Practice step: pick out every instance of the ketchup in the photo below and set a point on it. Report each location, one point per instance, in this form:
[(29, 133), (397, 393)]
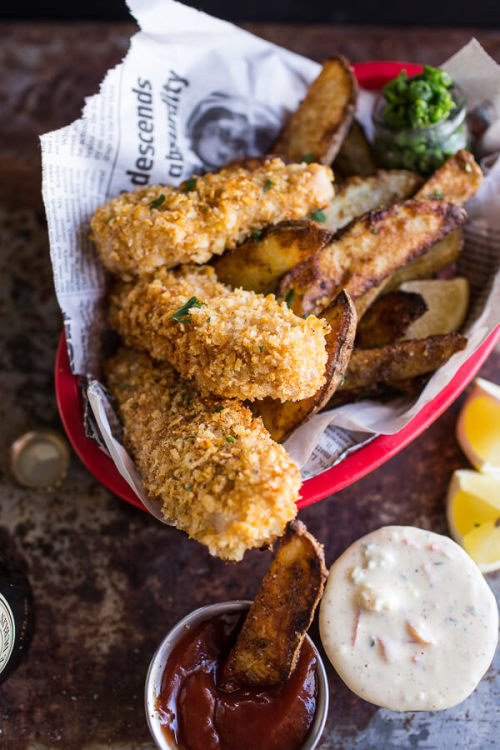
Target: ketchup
[(199, 715)]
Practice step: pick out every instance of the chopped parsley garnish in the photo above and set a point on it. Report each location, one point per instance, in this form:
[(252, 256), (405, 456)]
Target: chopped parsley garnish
[(261, 348), (439, 563), (267, 185), (189, 487), (256, 234), (181, 315), (318, 216), (308, 158), (374, 231), (230, 439), (190, 437), (135, 405), (218, 409), (289, 297), (157, 203), (189, 184), (436, 195), (208, 320)]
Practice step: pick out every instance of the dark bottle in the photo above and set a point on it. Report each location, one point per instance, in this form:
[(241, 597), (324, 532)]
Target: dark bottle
[(16, 616)]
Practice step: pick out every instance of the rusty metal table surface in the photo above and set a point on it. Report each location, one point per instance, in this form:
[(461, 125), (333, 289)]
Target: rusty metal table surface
[(108, 579)]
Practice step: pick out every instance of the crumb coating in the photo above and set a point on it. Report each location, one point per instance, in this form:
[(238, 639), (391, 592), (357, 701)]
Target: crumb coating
[(219, 475), (237, 344), (160, 225)]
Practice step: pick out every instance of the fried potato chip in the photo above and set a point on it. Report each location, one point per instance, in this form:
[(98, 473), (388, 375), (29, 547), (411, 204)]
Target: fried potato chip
[(388, 318), (368, 251), (317, 128), (400, 361), (358, 195), (441, 254), (456, 181), (269, 642), (259, 263), (281, 418)]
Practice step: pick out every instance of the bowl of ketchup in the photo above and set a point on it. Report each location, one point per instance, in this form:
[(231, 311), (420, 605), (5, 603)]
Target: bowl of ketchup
[(188, 708)]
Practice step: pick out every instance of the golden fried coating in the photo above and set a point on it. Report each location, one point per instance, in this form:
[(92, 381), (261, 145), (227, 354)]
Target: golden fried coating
[(216, 470), (164, 226), (231, 343)]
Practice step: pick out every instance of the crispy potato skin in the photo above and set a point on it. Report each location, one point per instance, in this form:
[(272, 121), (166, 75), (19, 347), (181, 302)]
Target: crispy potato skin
[(358, 195), (229, 496), (441, 254), (456, 181), (258, 264), (280, 419), (161, 225), (388, 318), (400, 361), (368, 251), (269, 642), (237, 343), (323, 118)]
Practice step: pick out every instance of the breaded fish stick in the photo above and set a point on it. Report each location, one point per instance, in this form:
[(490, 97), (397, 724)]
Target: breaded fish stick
[(164, 226), (216, 470), (231, 343)]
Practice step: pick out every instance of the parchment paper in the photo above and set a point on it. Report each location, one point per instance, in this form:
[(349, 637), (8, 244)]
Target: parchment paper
[(148, 124)]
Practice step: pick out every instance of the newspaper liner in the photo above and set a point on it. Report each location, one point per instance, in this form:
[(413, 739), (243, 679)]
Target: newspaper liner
[(148, 124)]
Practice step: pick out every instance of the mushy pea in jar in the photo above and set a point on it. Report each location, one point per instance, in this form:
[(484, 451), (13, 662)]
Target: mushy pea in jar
[(419, 121)]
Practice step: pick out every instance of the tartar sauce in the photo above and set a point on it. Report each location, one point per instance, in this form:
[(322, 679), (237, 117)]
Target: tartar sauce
[(408, 621)]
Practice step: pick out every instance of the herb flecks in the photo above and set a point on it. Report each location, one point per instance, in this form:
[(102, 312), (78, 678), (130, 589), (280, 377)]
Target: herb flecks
[(181, 315), (189, 185), (218, 409), (230, 439), (158, 201), (256, 234), (261, 348), (289, 297), (308, 158), (267, 185), (135, 405), (319, 216), (436, 195)]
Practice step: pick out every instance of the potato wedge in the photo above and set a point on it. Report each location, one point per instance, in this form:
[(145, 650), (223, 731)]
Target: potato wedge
[(388, 318), (269, 642), (368, 251), (400, 361), (355, 155), (439, 255), (456, 181), (361, 194), (318, 127), (281, 418), (258, 264)]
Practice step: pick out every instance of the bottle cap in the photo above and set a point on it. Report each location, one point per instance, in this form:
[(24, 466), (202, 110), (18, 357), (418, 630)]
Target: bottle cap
[(39, 459)]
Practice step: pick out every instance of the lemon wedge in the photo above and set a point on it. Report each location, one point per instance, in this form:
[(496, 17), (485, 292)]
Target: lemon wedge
[(473, 512), (447, 302), (478, 426)]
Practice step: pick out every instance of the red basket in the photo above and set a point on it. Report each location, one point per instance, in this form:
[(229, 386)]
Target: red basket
[(371, 75)]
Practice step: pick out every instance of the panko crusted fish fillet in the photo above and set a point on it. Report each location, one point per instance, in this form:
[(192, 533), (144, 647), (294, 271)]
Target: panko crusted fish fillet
[(231, 343), (219, 475), (161, 225)]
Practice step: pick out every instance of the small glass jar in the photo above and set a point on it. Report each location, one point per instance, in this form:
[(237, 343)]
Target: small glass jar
[(421, 150)]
